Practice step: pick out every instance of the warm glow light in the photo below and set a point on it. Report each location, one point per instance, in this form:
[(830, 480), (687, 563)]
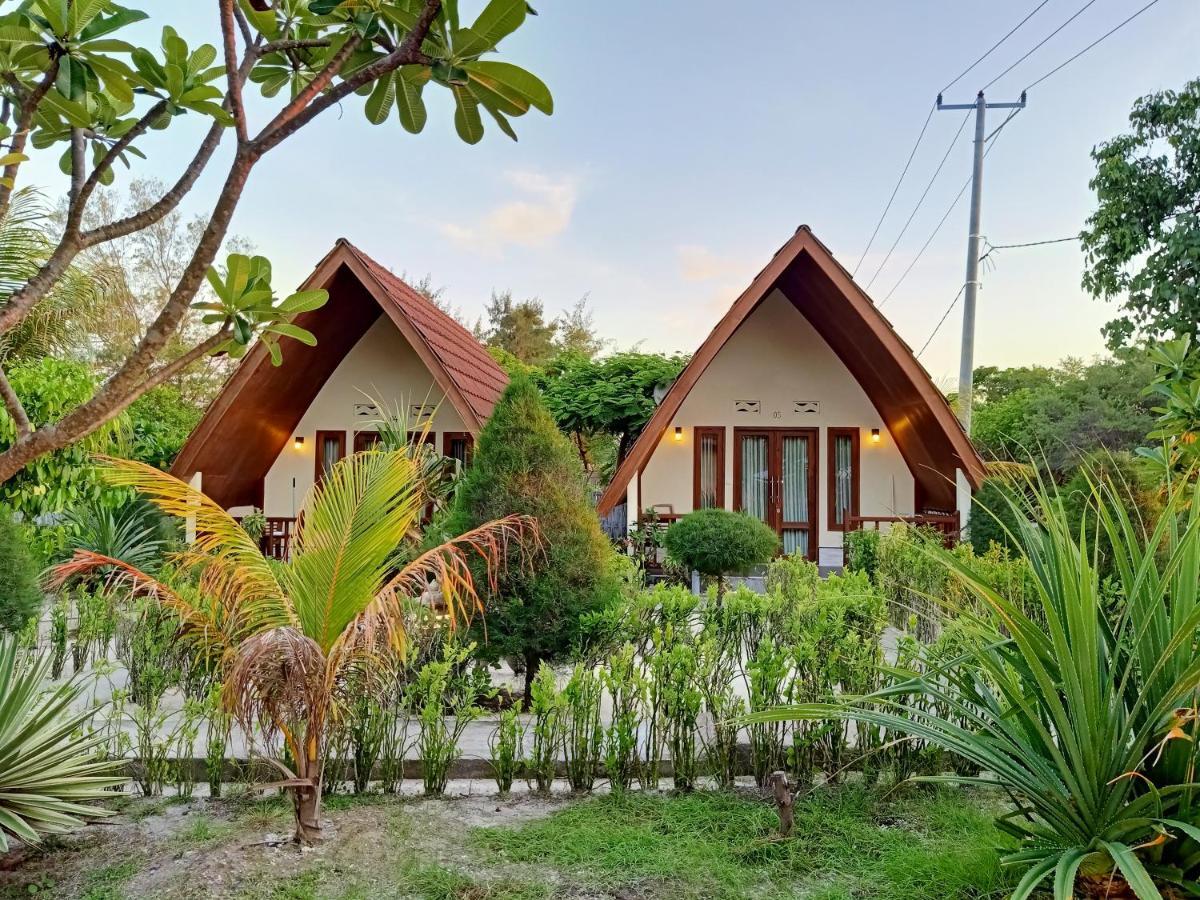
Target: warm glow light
[(678, 433), (299, 442), (874, 435)]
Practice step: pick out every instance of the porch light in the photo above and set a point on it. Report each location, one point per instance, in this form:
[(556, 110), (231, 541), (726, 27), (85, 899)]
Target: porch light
[(299, 441), (678, 432), (874, 435)]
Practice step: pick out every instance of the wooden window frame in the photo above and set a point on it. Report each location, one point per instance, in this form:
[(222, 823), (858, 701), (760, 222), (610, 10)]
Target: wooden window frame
[(319, 451), (365, 440), (699, 432), (775, 438), (831, 436), (448, 439)]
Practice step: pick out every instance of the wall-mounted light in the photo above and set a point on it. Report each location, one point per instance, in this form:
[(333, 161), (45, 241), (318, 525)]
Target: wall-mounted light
[(299, 442), (678, 432), (874, 435)]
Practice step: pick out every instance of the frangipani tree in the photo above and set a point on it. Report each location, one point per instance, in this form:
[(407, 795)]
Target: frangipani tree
[(73, 83), (285, 637)]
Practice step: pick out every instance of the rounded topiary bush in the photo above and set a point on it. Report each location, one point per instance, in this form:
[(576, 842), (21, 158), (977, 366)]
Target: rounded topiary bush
[(717, 542)]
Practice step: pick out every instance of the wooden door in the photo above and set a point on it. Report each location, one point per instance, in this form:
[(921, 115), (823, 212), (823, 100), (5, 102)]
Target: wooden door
[(775, 480)]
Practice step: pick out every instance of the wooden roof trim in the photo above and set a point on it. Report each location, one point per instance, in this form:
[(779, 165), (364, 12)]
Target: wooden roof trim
[(802, 241), (429, 358)]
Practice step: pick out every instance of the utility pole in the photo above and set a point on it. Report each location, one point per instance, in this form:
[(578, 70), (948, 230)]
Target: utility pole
[(966, 365)]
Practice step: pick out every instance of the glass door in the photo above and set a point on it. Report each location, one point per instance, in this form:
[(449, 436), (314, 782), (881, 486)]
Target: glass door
[(775, 481)]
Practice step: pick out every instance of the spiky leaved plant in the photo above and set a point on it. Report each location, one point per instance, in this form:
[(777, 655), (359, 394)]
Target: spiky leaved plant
[(1082, 702), (47, 775), (285, 637)]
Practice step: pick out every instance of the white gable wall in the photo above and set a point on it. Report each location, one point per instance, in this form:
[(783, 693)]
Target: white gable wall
[(382, 365), (777, 358)]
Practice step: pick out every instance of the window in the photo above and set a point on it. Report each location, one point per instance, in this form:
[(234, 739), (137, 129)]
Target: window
[(331, 446), (458, 445), (843, 476), (708, 490), (366, 440)]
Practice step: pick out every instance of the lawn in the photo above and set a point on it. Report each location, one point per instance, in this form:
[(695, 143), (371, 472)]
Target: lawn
[(848, 844)]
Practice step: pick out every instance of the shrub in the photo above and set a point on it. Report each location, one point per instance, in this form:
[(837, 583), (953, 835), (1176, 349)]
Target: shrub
[(862, 551), (993, 518), (717, 542), (524, 465), (548, 710), (20, 594), (505, 744)]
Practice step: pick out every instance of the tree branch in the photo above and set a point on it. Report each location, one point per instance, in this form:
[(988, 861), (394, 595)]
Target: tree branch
[(27, 109), (13, 404), (78, 169), (284, 46), (311, 90), (296, 115), (177, 365), (116, 150), (232, 70)]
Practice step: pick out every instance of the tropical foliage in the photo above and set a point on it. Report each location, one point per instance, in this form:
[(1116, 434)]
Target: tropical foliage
[(20, 593), (1080, 704), (524, 465), (287, 638), (1143, 239), (48, 776)]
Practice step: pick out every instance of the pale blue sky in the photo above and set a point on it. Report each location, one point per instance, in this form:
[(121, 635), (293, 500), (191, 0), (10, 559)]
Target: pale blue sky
[(689, 141)]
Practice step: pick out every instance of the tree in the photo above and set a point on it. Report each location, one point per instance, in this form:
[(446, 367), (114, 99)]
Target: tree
[(576, 332), (613, 396), (524, 465), (1176, 392), (717, 542), (519, 328), (289, 637), (1143, 240), (20, 593), (71, 84), (1059, 414)]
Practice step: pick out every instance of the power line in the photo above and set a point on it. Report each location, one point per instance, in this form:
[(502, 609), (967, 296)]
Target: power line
[(946, 215), (1013, 31), (1102, 37), (941, 322), (920, 200), (1040, 44), (895, 190), (912, 154)]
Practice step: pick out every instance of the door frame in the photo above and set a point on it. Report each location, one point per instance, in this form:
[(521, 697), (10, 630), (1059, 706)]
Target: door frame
[(775, 438)]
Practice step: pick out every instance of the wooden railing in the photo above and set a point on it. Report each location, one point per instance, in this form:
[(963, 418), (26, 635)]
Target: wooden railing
[(277, 537), (947, 524)]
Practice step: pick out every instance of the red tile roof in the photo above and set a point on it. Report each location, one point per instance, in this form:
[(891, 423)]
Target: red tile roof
[(478, 377)]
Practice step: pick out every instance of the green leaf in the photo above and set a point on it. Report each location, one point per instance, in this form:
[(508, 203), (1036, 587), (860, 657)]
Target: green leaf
[(295, 332), (410, 105), (466, 115), (75, 114), (263, 20), (514, 78), (379, 104), (15, 34), (1133, 870), (304, 301), (499, 19), (499, 117)]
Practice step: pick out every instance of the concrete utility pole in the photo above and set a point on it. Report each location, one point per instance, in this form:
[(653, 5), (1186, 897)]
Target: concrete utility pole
[(966, 365)]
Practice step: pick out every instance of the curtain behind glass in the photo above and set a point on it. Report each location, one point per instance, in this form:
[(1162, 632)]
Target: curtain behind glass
[(795, 479), (708, 471), (755, 475), (843, 477), (331, 452)]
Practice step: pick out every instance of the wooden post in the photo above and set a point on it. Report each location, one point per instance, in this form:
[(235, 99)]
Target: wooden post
[(783, 802), (196, 482)]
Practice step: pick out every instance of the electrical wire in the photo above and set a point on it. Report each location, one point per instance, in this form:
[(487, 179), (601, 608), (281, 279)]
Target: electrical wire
[(941, 321), (895, 190), (1040, 44), (1102, 37), (1013, 31), (946, 215), (921, 199)]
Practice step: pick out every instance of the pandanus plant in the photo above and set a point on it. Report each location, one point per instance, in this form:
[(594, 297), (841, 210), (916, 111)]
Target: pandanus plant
[(286, 638), (1084, 706)]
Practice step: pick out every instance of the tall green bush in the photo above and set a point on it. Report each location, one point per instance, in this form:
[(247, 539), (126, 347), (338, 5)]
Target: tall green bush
[(20, 594), (524, 465)]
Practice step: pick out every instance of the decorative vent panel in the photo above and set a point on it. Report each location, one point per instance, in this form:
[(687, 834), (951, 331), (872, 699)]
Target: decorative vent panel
[(752, 407), (807, 407)]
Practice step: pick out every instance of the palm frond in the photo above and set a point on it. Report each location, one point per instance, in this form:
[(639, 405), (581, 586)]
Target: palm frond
[(351, 526)]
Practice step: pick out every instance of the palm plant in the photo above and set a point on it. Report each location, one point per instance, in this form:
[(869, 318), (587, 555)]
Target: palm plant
[(133, 533), (47, 774), (1085, 707), (288, 637)]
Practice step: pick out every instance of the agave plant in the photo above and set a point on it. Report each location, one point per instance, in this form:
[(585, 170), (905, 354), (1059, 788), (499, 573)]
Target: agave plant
[(134, 533), (287, 637), (1084, 708), (48, 776)]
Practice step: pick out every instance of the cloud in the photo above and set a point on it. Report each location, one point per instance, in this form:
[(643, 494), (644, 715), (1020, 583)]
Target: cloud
[(698, 263), (532, 220)]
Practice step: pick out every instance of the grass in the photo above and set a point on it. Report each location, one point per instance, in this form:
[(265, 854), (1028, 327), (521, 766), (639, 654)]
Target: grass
[(848, 844), (106, 883)]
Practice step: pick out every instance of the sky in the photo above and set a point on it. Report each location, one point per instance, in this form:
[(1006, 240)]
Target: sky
[(689, 141)]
